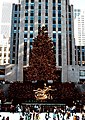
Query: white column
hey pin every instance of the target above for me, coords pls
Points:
(63, 38)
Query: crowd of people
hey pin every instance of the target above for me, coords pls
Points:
(22, 92)
(58, 113)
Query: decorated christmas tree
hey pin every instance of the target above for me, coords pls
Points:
(42, 62)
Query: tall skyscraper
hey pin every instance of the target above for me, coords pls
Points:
(28, 17)
(79, 27)
(79, 34)
(4, 50)
(4, 55)
(5, 25)
(5, 18)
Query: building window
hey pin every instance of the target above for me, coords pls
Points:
(14, 35)
(46, 26)
(25, 35)
(39, 7)
(60, 60)
(2, 71)
(27, 1)
(46, 1)
(32, 13)
(15, 15)
(59, 14)
(13, 54)
(13, 61)
(31, 28)
(32, 1)
(0, 48)
(46, 20)
(14, 28)
(31, 40)
(15, 7)
(82, 73)
(26, 7)
(5, 55)
(13, 48)
(54, 1)
(46, 14)
(39, 26)
(26, 28)
(54, 29)
(39, 21)
(54, 25)
(39, 13)
(14, 42)
(31, 21)
(46, 7)
(32, 6)
(59, 7)
(25, 51)
(59, 29)
(54, 21)
(54, 13)
(59, 1)
(15, 21)
(59, 21)
(31, 35)
(59, 25)
(54, 35)
(26, 14)
(5, 49)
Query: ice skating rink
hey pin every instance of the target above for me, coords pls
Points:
(16, 116)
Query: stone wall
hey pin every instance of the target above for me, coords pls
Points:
(73, 73)
(10, 73)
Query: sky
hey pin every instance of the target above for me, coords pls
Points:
(13, 1)
(78, 3)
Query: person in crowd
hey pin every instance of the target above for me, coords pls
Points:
(21, 118)
(46, 116)
(36, 108)
(17, 107)
(48, 113)
(67, 108)
(73, 110)
(12, 109)
(84, 108)
(54, 116)
(77, 117)
(27, 113)
(74, 117)
(34, 115)
(54, 109)
(37, 116)
(7, 118)
(3, 118)
(57, 114)
(63, 114)
(68, 115)
(83, 116)
(23, 110)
